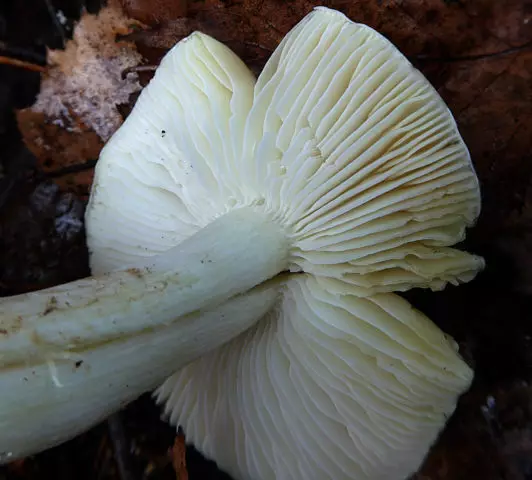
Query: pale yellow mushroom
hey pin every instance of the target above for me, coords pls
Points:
(266, 224)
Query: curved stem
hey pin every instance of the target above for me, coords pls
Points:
(47, 403)
(129, 330)
(231, 255)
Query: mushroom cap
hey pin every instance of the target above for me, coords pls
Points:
(341, 138)
(354, 153)
(326, 386)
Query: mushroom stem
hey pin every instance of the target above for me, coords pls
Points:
(229, 256)
(45, 403)
(129, 329)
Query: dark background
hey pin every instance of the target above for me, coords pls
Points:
(476, 53)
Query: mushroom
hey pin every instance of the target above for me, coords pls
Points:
(246, 238)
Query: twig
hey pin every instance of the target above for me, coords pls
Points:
(472, 58)
(178, 454)
(14, 62)
(121, 447)
(22, 53)
(78, 167)
(139, 68)
(259, 46)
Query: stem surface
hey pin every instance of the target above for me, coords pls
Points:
(43, 405)
(229, 256)
(73, 354)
